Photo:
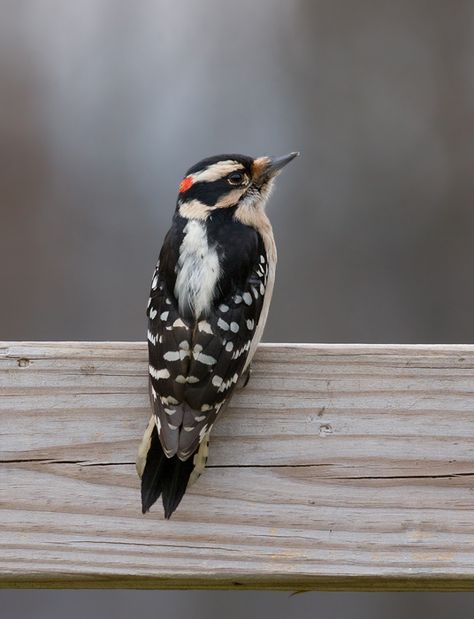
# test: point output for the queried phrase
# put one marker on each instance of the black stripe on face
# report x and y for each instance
(208, 193)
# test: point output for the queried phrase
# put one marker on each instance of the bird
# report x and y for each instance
(209, 300)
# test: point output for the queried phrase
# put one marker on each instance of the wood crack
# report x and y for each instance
(54, 461)
(85, 463)
(151, 545)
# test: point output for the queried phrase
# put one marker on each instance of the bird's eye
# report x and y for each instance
(235, 178)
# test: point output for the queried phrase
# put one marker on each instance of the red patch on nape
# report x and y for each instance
(186, 183)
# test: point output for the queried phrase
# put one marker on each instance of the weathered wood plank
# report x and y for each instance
(339, 466)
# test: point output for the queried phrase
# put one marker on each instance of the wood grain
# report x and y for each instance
(338, 467)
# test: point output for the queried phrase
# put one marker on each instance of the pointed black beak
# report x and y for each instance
(275, 164)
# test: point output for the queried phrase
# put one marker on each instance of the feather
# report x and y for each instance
(195, 361)
(163, 476)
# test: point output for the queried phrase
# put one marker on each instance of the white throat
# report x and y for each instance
(197, 270)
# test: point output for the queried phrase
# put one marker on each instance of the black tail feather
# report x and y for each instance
(152, 477)
(176, 483)
(164, 476)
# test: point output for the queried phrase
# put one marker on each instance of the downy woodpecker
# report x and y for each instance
(209, 301)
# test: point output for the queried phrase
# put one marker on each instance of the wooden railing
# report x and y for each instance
(337, 467)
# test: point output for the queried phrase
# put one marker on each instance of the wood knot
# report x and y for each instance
(23, 362)
(325, 429)
(87, 369)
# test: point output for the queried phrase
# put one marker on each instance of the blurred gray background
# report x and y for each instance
(105, 103)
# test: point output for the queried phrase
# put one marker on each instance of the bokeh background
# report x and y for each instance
(105, 103)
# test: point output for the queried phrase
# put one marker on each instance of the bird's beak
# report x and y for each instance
(266, 168)
(277, 163)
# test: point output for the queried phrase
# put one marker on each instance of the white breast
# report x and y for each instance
(198, 270)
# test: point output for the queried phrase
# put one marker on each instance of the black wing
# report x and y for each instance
(195, 365)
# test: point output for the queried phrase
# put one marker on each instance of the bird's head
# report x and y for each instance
(227, 181)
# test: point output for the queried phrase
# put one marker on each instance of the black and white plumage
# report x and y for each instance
(209, 301)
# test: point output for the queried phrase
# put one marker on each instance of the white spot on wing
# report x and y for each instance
(186, 379)
(164, 315)
(247, 297)
(204, 326)
(157, 374)
(222, 324)
(201, 357)
(153, 313)
(168, 400)
(234, 327)
(239, 352)
(179, 323)
(176, 355)
(217, 380)
(228, 383)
